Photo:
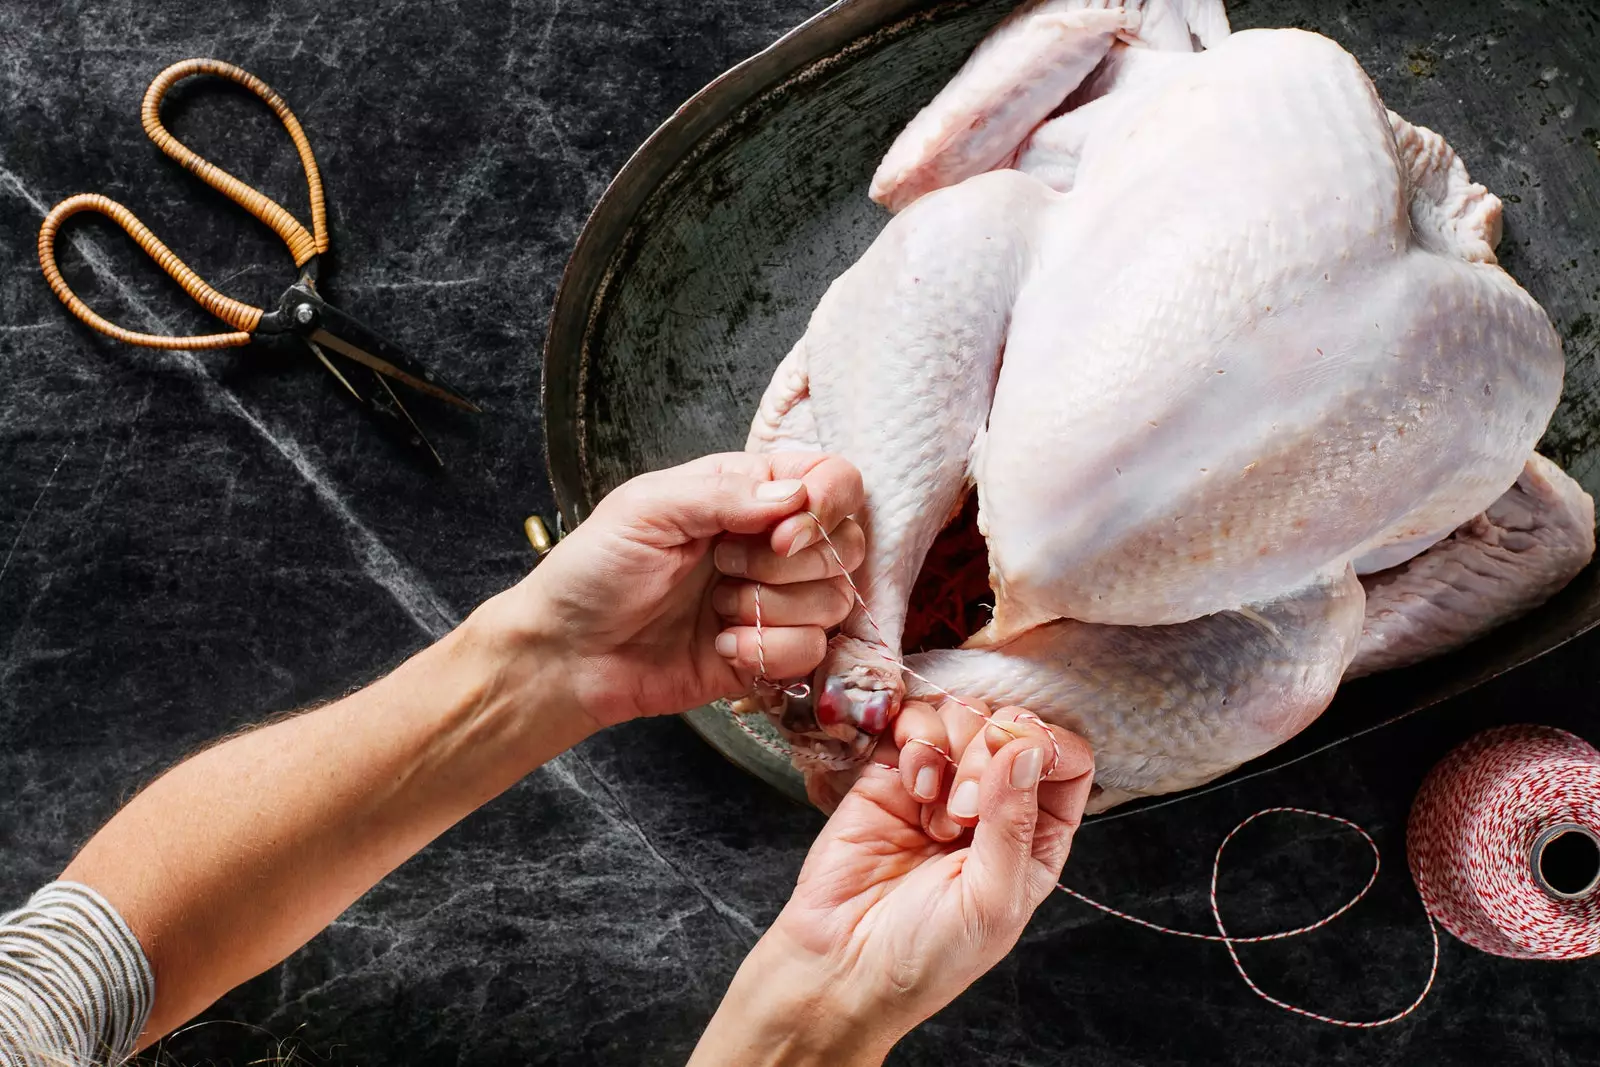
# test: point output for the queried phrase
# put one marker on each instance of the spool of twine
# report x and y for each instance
(1504, 843)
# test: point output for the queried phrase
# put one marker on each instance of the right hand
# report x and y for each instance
(922, 880)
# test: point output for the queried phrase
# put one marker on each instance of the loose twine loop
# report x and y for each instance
(1469, 838)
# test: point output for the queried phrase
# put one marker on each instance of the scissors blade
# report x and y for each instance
(347, 336)
(382, 403)
(418, 438)
(328, 363)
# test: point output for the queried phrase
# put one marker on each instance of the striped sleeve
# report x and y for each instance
(75, 987)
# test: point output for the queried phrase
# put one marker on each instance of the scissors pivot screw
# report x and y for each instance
(305, 314)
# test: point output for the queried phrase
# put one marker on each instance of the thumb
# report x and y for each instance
(672, 507)
(1002, 842)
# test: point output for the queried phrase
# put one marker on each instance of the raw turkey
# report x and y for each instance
(1224, 349)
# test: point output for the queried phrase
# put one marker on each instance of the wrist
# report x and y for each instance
(518, 669)
(787, 1008)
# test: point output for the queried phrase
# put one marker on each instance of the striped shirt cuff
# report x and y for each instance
(75, 987)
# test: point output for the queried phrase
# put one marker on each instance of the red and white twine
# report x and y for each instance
(1469, 839)
(1229, 942)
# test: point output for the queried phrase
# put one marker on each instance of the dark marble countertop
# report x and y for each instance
(192, 542)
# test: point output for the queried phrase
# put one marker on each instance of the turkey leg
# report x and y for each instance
(1493, 568)
(1170, 707)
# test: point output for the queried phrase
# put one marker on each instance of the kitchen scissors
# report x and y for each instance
(300, 311)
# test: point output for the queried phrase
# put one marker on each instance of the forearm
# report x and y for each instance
(780, 1011)
(235, 858)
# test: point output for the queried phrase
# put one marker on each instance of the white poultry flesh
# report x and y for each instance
(1225, 351)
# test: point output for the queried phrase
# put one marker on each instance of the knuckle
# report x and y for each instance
(910, 726)
(841, 600)
(727, 484)
(845, 480)
(813, 644)
(631, 494)
(855, 545)
(855, 486)
(849, 557)
(760, 566)
(829, 565)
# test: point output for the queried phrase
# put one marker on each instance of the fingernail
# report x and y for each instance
(927, 781)
(1026, 768)
(942, 828)
(725, 599)
(772, 492)
(727, 644)
(964, 801)
(730, 557)
(803, 540)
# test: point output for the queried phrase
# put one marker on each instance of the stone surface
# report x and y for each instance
(190, 543)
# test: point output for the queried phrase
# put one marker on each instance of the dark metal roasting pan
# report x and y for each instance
(704, 258)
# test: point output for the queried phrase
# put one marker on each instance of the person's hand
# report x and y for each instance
(922, 880)
(637, 614)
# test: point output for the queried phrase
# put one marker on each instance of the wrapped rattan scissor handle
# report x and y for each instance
(302, 245)
(243, 317)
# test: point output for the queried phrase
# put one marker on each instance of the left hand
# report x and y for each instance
(648, 607)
